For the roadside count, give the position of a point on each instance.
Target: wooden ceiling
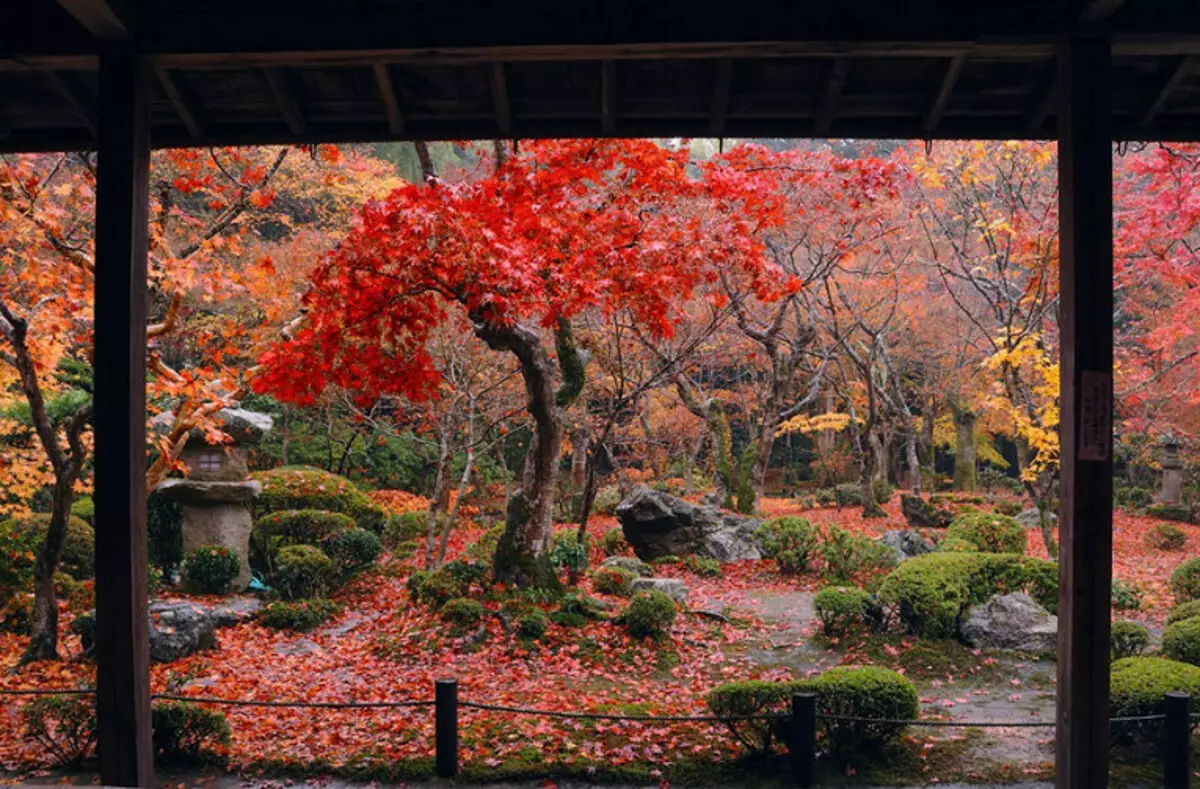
(279, 71)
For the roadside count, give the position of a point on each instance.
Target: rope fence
(1177, 719)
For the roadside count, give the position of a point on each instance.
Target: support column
(1085, 433)
(122, 645)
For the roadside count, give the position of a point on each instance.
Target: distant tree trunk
(911, 458)
(693, 458)
(468, 466)
(427, 172)
(285, 435)
(441, 490)
(964, 448)
(716, 423)
(521, 553)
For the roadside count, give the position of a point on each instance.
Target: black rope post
(802, 744)
(445, 699)
(1177, 748)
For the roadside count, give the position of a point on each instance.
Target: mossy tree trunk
(521, 555)
(965, 421)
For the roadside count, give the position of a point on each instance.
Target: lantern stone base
(216, 513)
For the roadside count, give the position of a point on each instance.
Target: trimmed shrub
(308, 488)
(211, 569)
(79, 544)
(532, 625)
(606, 500)
(84, 508)
(404, 527)
(1136, 688)
(1009, 508)
(301, 527)
(881, 490)
(187, 732)
(932, 592)
(791, 542)
(864, 692)
(1165, 537)
(666, 560)
(1128, 639)
(64, 727)
(842, 608)
(1185, 581)
(613, 580)
(1181, 641)
(1183, 611)
(16, 614)
(1131, 497)
(1170, 512)
(303, 571)
(846, 554)
(18, 552)
(352, 549)
(752, 698)
(649, 615)
(466, 573)
(1126, 595)
(435, 588)
(848, 494)
(462, 612)
(301, 615)
(989, 532)
(614, 542)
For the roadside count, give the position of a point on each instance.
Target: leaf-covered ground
(385, 648)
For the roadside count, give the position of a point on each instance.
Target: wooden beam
(1044, 95)
(500, 98)
(387, 92)
(1165, 83)
(122, 621)
(66, 87)
(936, 110)
(831, 94)
(285, 99)
(608, 96)
(722, 84)
(179, 100)
(1085, 431)
(109, 20)
(1094, 11)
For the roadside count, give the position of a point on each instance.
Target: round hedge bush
(1183, 611)
(462, 611)
(84, 508)
(1128, 639)
(1185, 581)
(989, 532)
(1181, 641)
(185, 732)
(301, 615)
(435, 588)
(352, 549)
(1166, 537)
(210, 569)
(78, 557)
(1136, 688)
(614, 542)
(303, 571)
(842, 608)
(613, 580)
(308, 488)
(650, 615)
(865, 692)
(532, 625)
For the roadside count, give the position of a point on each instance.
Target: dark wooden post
(122, 647)
(802, 745)
(1177, 748)
(1085, 433)
(445, 699)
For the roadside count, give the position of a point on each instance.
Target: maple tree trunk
(43, 642)
(690, 466)
(964, 449)
(521, 553)
(762, 451)
(441, 490)
(912, 459)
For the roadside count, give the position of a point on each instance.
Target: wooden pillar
(1085, 524)
(122, 646)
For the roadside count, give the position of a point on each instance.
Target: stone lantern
(1172, 473)
(215, 494)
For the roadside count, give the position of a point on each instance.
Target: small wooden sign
(1095, 415)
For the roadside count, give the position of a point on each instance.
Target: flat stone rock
(635, 566)
(179, 628)
(907, 543)
(302, 647)
(196, 492)
(672, 587)
(658, 524)
(1011, 621)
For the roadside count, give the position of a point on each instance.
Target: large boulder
(658, 524)
(672, 587)
(1032, 518)
(179, 628)
(924, 514)
(635, 566)
(1011, 621)
(907, 543)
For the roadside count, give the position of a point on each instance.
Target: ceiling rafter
(108, 20)
(500, 105)
(83, 105)
(387, 92)
(1042, 102)
(831, 95)
(285, 100)
(722, 85)
(942, 100)
(608, 96)
(184, 106)
(1166, 82)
